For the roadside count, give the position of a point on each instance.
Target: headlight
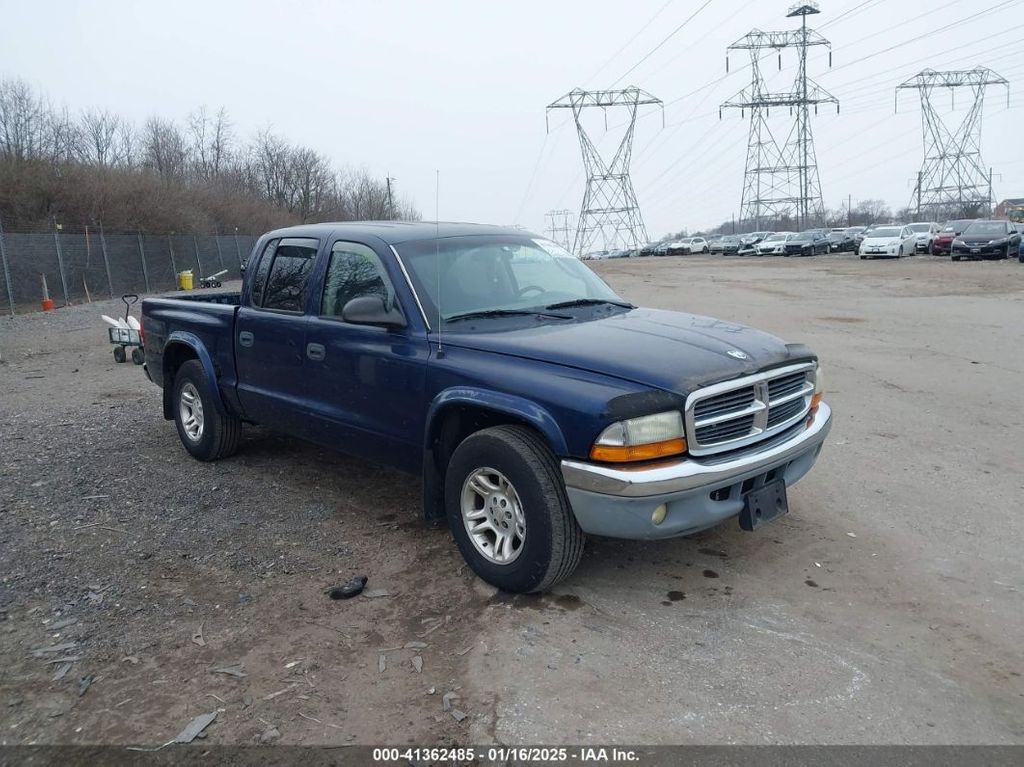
(958, 241)
(641, 439)
(1000, 241)
(893, 242)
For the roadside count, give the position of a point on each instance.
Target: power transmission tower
(558, 227)
(781, 179)
(952, 181)
(610, 215)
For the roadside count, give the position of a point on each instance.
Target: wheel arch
(179, 349)
(459, 412)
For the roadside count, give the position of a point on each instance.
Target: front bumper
(618, 502)
(879, 250)
(980, 251)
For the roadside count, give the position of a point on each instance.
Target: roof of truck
(394, 232)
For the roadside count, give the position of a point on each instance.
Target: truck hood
(673, 351)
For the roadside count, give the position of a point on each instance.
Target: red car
(942, 243)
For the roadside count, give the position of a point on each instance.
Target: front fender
(193, 342)
(519, 408)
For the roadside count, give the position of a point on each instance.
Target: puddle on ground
(538, 602)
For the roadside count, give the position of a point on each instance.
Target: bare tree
(23, 117)
(100, 134)
(312, 184)
(164, 149)
(871, 212)
(127, 145)
(98, 166)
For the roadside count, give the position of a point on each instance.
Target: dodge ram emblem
(737, 354)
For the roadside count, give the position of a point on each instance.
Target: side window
(289, 273)
(259, 278)
(354, 271)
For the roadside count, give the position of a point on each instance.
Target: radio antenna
(437, 259)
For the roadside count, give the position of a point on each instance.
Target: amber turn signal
(815, 401)
(627, 453)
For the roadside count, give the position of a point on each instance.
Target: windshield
(801, 237)
(920, 227)
(486, 273)
(775, 237)
(986, 228)
(886, 231)
(955, 226)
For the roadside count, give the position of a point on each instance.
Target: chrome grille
(732, 414)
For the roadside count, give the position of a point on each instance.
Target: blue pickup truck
(536, 405)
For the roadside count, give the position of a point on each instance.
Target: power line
(943, 28)
(630, 41)
(850, 12)
(672, 34)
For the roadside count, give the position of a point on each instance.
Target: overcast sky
(404, 88)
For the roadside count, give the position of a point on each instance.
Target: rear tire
(205, 433)
(119, 354)
(517, 459)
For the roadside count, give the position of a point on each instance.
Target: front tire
(508, 510)
(205, 433)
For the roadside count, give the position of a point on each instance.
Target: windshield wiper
(588, 302)
(505, 313)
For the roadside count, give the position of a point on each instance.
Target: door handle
(245, 338)
(316, 352)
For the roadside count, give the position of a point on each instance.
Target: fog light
(659, 514)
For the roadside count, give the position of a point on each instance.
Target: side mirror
(371, 310)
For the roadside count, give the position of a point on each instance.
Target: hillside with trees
(197, 176)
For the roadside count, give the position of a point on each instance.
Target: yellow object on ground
(185, 280)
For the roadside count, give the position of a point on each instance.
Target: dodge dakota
(536, 405)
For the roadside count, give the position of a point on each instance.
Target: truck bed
(229, 299)
(203, 321)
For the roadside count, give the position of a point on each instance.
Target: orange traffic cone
(47, 302)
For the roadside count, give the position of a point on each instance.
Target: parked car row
(963, 239)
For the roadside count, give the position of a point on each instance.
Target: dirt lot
(885, 608)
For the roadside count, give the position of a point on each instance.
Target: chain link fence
(73, 265)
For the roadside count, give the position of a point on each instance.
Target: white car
(773, 244)
(924, 233)
(888, 242)
(693, 245)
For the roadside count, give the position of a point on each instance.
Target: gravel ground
(885, 608)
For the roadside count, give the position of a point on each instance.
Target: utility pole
(953, 181)
(610, 214)
(781, 178)
(391, 206)
(849, 210)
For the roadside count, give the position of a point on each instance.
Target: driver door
(364, 383)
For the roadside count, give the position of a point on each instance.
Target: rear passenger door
(270, 335)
